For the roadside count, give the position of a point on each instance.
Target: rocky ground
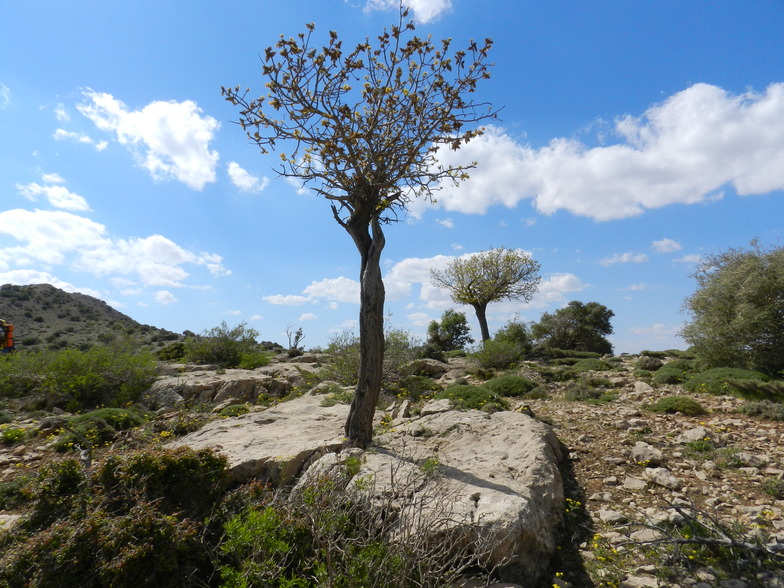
(635, 480)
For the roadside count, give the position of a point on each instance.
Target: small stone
(695, 434)
(639, 582)
(645, 453)
(612, 517)
(635, 484)
(662, 477)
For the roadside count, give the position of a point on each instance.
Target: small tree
(451, 333)
(578, 326)
(738, 310)
(489, 276)
(364, 126)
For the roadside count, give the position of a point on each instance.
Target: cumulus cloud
(446, 222)
(165, 297)
(689, 259)
(683, 150)
(666, 246)
(244, 180)
(423, 11)
(627, 257)
(340, 289)
(169, 139)
(307, 316)
(53, 238)
(57, 195)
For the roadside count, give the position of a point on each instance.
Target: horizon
(633, 141)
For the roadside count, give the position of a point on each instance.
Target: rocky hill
(45, 317)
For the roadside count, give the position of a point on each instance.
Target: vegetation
(367, 149)
(466, 397)
(736, 310)
(227, 347)
(675, 404)
(719, 380)
(78, 380)
(511, 385)
(451, 333)
(489, 276)
(578, 326)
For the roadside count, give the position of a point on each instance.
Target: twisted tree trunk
(359, 425)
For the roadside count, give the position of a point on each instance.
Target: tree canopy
(451, 333)
(362, 127)
(489, 276)
(577, 326)
(738, 310)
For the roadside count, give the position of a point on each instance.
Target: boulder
(498, 473)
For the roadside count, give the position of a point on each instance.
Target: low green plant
(591, 364)
(578, 390)
(415, 388)
(234, 410)
(648, 363)
(251, 360)
(511, 385)
(99, 427)
(774, 487)
(716, 380)
(677, 404)
(11, 435)
(5, 417)
(758, 390)
(338, 397)
(468, 397)
(674, 372)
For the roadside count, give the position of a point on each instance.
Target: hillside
(45, 317)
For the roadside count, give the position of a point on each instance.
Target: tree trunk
(359, 425)
(482, 318)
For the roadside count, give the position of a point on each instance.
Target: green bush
(510, 385)
(172, 352)
(139, 520)
(255, 359)
(716, 380)
(221, 345)
(415, 388)
(5, 417)
(675, 404)
(234, 410)
(648, 363)
(466, 397)
(674, 372)
(11, 435)
(759, 390)
(578, 390)
(591, 364)
(99, 427)
(498, 354)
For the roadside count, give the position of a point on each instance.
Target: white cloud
(307, 316)
(286, 300)
(636, 287)
(657, 330)
(62, 135)
(680, 151)
(419, 319)
(52, 238)
(244, 180)
(446, 222)
(690, 259)
(256, 317)
(423, 11)
(57, 195)
(666, 246)
(5, 96)
(61, 114)
(169, 139)
(624, 258)
(165, 297)
(337, 289)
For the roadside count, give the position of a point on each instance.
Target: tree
(577, 326)
(451, 333)
(489, 276)
(738, 310)
(365, 127)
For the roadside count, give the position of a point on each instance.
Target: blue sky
(635, 138)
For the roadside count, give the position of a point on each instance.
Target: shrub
(648, 363)
(415, 388)
(765, 409)
(674, 404)
(580, 391)
(510, 385)
(451, 333)
(255, 359)
(674, 372)
(715, 381)
(11, 435)
(221, 345)
(99, 427)
(498, 354)
(171, 352)
(466, 397)
(5, 417)
(591, 364)
(759, 390)
(234, 410)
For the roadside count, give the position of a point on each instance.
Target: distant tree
(451, 333)
(489, 276)
(364, 126)
(515, 333)
(738, 310)
(577, 326)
